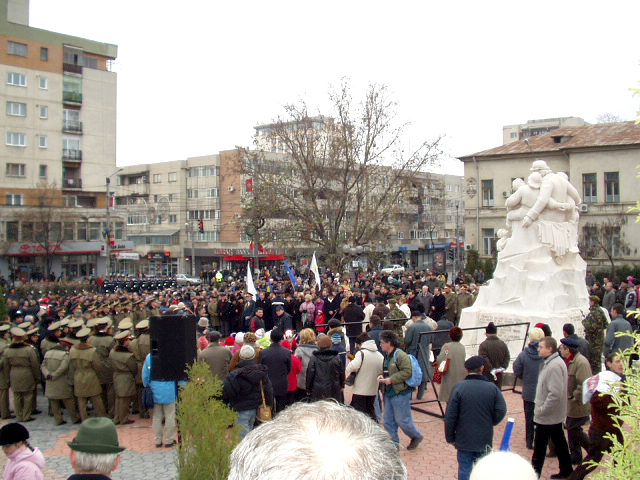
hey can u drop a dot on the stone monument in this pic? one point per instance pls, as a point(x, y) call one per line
point(540, 275)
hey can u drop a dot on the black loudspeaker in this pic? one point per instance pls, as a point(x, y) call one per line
point(173, 346)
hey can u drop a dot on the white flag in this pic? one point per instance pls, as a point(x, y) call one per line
point(250, 286)
point(314, 269)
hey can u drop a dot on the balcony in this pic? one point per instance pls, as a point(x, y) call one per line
point(71, 183)
point(72, 126)
point(71, 68)
point(73, 98)
point(69, 155)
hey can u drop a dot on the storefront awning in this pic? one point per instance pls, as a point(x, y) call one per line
point(242, 258)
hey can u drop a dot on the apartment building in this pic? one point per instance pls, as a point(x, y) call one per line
point(513, 133)
point(59, 130)
point(600, 161)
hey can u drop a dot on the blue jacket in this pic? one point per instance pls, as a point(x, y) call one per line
point(476, 405)
point(163, 392)
point(526, 367)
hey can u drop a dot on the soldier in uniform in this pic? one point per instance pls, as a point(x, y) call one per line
point(154, 308)
point(139, 313)
point(141, 347)
point(465, 299)
point(5, 341)
point(125, 369)
point(54, 332)
point(85, 365)
point(451, 304)
point(33, 340)
point(74, 327)
point(212, 308)
point(23, 369)
point(595, 323)
point(58, 388)
point(103, 343)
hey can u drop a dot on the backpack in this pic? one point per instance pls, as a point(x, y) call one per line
point(416, 372)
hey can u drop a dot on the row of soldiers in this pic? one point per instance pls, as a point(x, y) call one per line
point(76, 362)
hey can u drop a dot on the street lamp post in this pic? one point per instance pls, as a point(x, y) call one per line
point(193, 247)
point(456, 252)
point(353, 252)
point(108, 247)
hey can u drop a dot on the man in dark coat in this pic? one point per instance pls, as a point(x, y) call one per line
point(242, 389)
point(413, 340)
point(353, 318)
point(325, 373)
point(216, 356)
point(278, 361)
point(332, 305)
point(476, 405)
point(284, 321)
point(495, 353)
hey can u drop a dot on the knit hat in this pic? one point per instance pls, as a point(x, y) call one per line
point(286, 344)
point(336, 338)
point(230, 341)
point(203, 322)
point(250, 337)
point(96, 435)
point(247, 352)
point(13, 433)
point(474, 363)
point(260, 333)
point(491, 328)
point(240, 337)
point(324, 341)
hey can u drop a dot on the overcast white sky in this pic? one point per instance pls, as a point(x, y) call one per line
point(195, 76)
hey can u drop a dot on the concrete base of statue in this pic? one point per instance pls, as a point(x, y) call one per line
point(514, 337)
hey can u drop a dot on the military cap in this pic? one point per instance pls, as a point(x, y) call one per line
point(64, 322)
point(33, 331)
point(138, 302)
point(83, 332)
point(5, 327)
point(24, 325)
point(102, 320)
point(18, 332)
point(125, 323)
point(53, 326)
point(570, 342)
point(122, 335)
point(76, 324)
point(142, 324)
point(595, 298)
point(91, 322)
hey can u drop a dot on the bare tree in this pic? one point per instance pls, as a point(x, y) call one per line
point(605, 238)
point(608, 117)
point(340, 179)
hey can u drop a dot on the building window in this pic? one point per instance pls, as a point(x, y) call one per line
point(42, 171)
point(487, 193)
point(42, 141)
point(204, 171)
point(44, 54)
point(612, 186)
point(192, 193)
point(207, 236)
point(16, 169)
point(488, 241)
point(18, 109)
point(173, 219)
point(157, 177)
point(513, 135)
point(15, 199)
point(19, 49)
point(17, 79)
point(204, 215)
point(400, 235)
point(173, 176)
point(170, 197)
point(44, 112)
point(44, 83)
point(71, 144)
point(155, 198)
point(590, 187)
point(16, 139)
point(12, 231)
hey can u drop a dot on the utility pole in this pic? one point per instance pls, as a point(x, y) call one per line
point(191, 233)
point(456, 252)
point(108, 236)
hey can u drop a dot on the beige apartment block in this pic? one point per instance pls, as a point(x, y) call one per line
point(513, 133)
point(59, 131)
point(600, 161)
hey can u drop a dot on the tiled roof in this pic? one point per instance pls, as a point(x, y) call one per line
point(599, 135)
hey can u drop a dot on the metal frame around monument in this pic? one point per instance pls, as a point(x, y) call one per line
point(425, 360)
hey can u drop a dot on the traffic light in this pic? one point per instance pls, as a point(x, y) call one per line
point(450, 254)
point(201, 226)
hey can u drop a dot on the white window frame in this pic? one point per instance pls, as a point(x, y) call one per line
point(43, 83)
point(173, 218)
point(173, 176)
point(41, 169)
point(11, 199)
point(21, 167)
point(17, 109)
point(15, 139)
point(157, 178)
point(17, 49)
point(44, 112)
point(17, 79)
point(43, 141)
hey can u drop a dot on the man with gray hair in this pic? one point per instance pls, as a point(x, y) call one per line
point(294, 446)
point(95, 451)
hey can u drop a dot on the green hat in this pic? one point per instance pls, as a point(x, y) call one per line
point(96, 435)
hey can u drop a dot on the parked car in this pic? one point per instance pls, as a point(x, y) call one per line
point(182, 279)
point(393, 269)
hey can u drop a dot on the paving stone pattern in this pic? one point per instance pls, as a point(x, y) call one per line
point(433, 460)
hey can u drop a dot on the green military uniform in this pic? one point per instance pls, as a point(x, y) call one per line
point(124, 370)
point(85, 365)
point(58, 388)
point(141, 347)
point(103, 343)
point(23, 369)
point(5, 413)
point(212, 308)
point(451, 305)
point(465, 299)
point(595, 323)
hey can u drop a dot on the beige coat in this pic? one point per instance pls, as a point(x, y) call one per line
point(579, 369)
point(456, 370)
point(103, 344)
point(140, 347)
point(57, 363)
point(22, 367)
point(4, 377)
point(85, 365)
point(125, 368)
point(368, 363)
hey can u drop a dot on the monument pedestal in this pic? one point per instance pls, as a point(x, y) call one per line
point(514, 336)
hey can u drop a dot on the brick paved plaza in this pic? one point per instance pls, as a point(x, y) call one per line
point(433, 460)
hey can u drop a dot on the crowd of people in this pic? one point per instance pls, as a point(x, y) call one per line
point(290, 345)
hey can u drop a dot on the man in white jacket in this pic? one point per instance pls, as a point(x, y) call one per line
point(551, 409)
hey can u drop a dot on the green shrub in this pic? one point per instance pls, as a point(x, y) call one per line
point(623, 461)
point(204, 421)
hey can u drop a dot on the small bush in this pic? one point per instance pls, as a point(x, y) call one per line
point(204, 422)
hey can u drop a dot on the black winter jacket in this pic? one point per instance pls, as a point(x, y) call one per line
point(241, 387)
point(325, 375)
point(278, 361)
point(353, 318)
